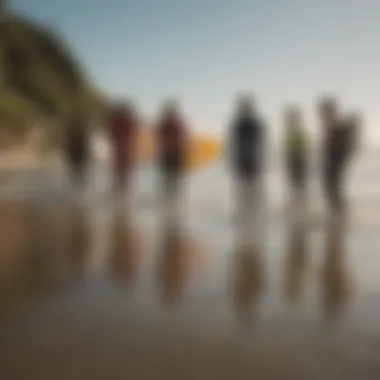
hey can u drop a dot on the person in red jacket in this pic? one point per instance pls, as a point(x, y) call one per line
point(123, 129)
point(172, 140)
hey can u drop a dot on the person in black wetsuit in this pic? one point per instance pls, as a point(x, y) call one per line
point(246, 145)
point(339, 137)
point(77, 147)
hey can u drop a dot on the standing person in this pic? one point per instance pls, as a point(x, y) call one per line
point(78, 147)
point(172, 143)
point(354, 121)
point(123, 129)
point(296, 151)
point(246, 142)
point(338, 143)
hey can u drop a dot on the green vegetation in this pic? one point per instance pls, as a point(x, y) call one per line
point(39, 77)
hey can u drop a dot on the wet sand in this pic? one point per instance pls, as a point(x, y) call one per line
point(98, 293)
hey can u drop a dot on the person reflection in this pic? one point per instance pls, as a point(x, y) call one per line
point(181, 256)
point(79, 238)
point(296, 262)
point(49, 244)
point(125, 247)
point(248, 279)
point(173, 262)
point(22, 262)
point(335, 284)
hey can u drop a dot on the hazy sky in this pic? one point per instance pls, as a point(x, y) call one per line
point(204, 51)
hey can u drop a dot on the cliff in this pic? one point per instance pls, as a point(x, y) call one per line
point(40, 77)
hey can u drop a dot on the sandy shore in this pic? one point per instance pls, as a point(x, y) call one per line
point(85, 293)
point(148, 305)
point(24, 158)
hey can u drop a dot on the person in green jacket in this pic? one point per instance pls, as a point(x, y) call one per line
point(296, 151)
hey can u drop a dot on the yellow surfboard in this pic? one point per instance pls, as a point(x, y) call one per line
point(203, 149)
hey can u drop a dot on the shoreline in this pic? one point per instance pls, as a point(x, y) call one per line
point(23, 159)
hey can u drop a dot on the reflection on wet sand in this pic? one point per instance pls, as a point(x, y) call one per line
point(90, 333)
point(335, 281)
point(79, 238)
point(15, 252)
point(250, 206)
point(62, 238)
point(172, 270)
point(126, 247)
point(248, 274)
point(33, 249)
point(180, 257)
point(296, 259)
point(248, 279)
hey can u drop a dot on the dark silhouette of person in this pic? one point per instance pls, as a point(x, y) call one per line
point(296, 261)
point(172, 144)
point(246, 149)
point(123, 130)
point(77, 146)
point(173, 267)
point(79, 249)
point(335, 279)
point(296, 151)
point(339, 135)
point(126, 248)
point(181, 258)
point(248, 279)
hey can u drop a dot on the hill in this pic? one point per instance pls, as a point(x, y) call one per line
point(40, 77)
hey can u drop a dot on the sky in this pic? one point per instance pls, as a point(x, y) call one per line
point(204, 52)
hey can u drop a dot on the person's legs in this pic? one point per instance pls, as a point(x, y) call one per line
point(250, 205)
point(239, 197)
point(333, 183)
point(81, 174)
point(78, 179)
point(167, 177)
point(297, 174)
point(340, 185)
point(329, 183)
point(173, 170)
point(248, 195)
point(301, 181)
point(170, 183)
point(120, 173)
point(75, 169)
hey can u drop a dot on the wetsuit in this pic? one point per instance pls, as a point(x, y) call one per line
point(247, 153)
point(296, 157)
point(123, 135)
point(339, 144)
point(247, 140)
point(171, 149)
point(77, 149)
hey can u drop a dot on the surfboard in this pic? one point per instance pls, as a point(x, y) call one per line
point(203, 150)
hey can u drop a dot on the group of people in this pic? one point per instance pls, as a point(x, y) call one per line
point(339, 140)
point(123, 129)
point(247, 142)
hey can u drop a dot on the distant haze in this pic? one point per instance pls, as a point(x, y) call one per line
point(204, 51)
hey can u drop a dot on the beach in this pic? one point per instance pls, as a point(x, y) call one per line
point(91, 291)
